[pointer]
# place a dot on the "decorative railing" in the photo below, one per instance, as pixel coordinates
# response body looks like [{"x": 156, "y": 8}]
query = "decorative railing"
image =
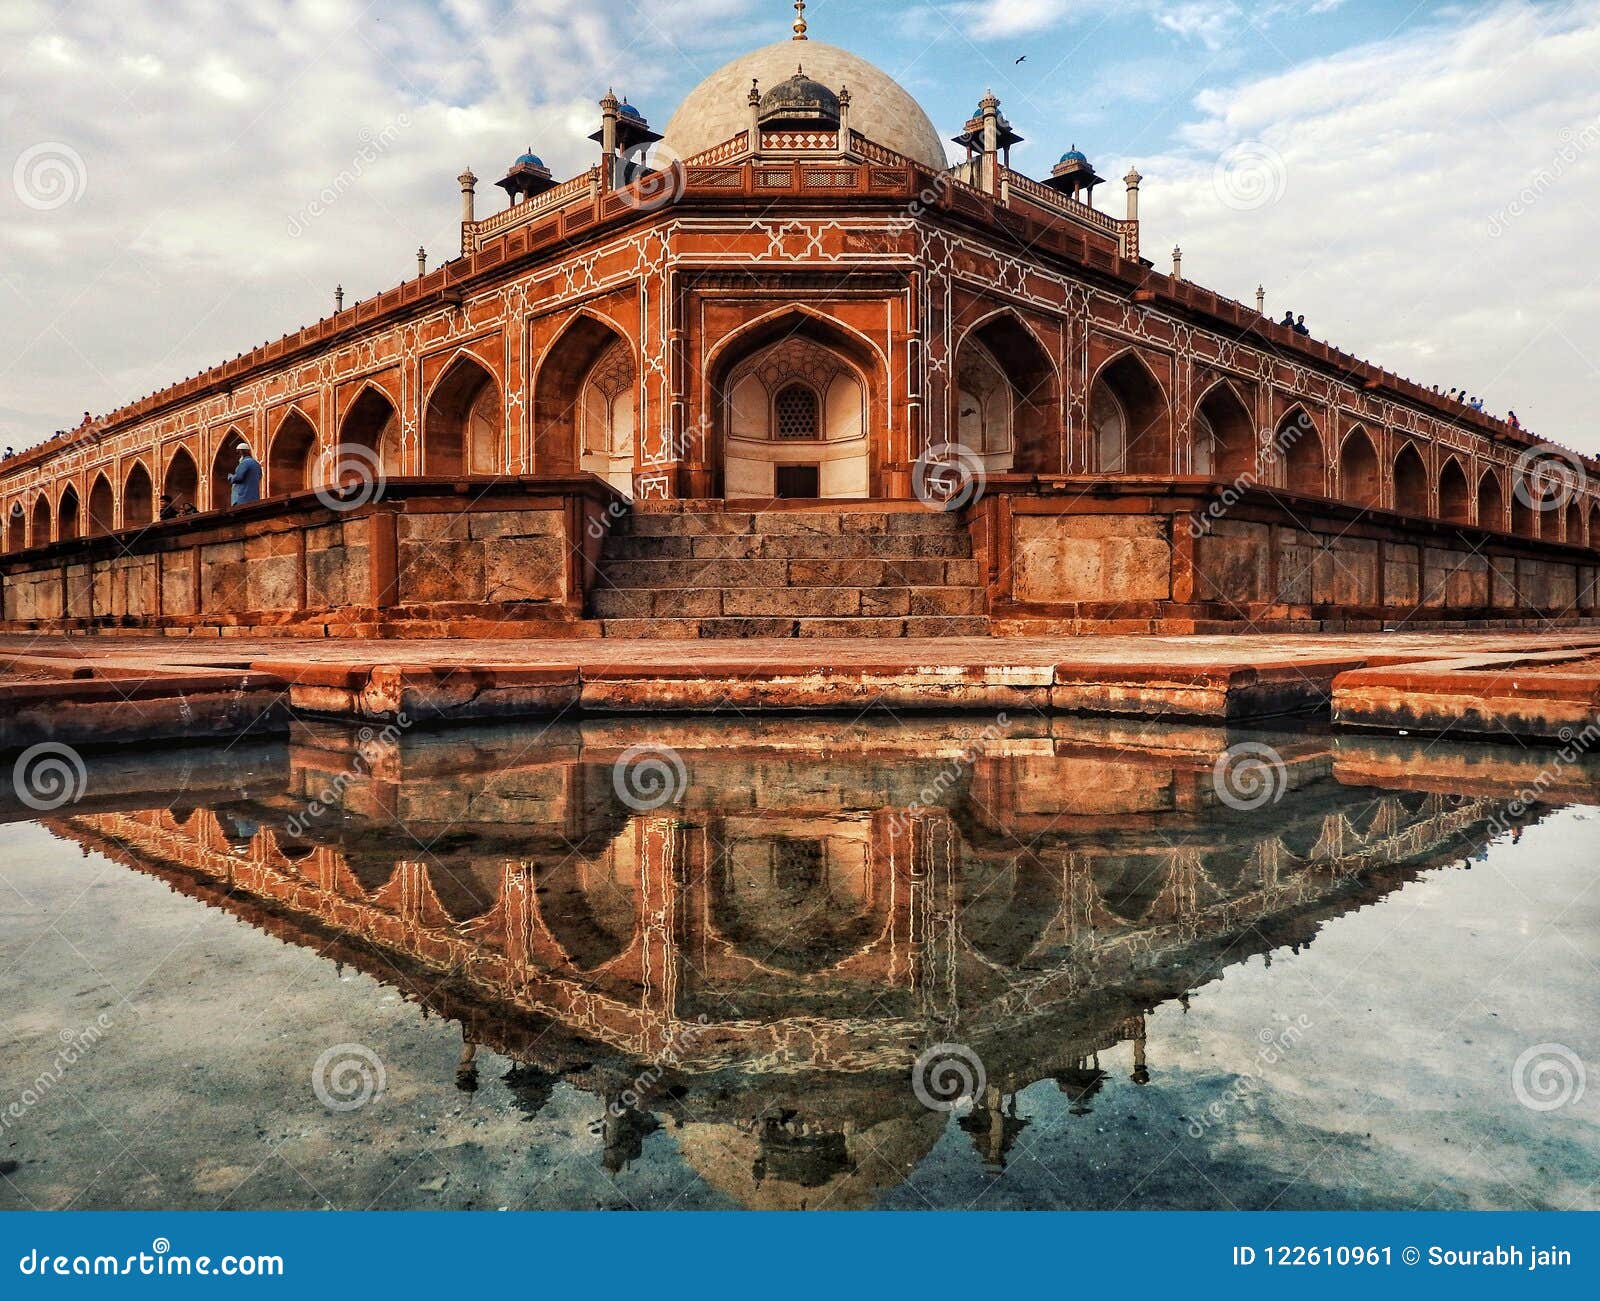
[
  {"x": 876, "y": 153},
  {"x": 733, "y": 147},
  {"x": 800, "y": 141},
  {"x": 1045, "y": 197},
  {"x": 556, "y": 197}
]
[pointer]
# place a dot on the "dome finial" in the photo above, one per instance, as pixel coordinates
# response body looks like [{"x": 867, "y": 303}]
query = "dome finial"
[{"x": 800, "y": 20}]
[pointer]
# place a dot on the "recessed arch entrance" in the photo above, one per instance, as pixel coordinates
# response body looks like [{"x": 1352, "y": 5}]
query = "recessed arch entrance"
[
  {"x": 102, "y": 512},
  {"x": 223, "y": 464},
  {"x": 1360, "y": 483},
  {"x": 1128, "y": 419},
  {"x": 292, "y": 456},
  {"x": 1224, "y": 436},
  {"x": 461, "y": 425},
  {"x": 1455, "y": 496},
  {"x": 42, "y": 530},
  {"x": 1491, "y": 502},
  {"x": 67, "y": 514},
  {"x": 16, "y": 526},
  {"x": 1007, "y": 398},
  {"x": 372, "y": 424},
  {"x": 138, "y": 497},
  {"x": 1410, "y": 482},
  {"x": 1298, "y": 445},
  {"x": 181, "y": 482},
  {"x": 793, "y": 399},
  {"x": 584, "y": 400}
]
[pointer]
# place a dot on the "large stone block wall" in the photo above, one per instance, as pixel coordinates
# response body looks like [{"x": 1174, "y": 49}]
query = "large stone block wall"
[
  {"x": 1162, "y": 560},
  {"x": 430, "y": 558}
]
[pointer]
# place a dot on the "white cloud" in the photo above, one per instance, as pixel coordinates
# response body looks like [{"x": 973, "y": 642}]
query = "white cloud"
[{"x": 1438, "y": 195}]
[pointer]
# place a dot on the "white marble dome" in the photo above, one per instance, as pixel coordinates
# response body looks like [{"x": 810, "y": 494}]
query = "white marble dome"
[{"x": 880, "y": 108}]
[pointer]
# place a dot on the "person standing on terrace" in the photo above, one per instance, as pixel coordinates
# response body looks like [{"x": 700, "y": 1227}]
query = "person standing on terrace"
[{"x": 246, "y": 479}]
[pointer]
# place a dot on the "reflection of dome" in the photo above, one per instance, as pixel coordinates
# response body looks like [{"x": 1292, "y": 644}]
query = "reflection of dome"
[{"x": 880, "y": 108}]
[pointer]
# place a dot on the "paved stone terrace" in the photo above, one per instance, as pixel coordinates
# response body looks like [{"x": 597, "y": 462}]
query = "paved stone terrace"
[{"x": 127, "y": 688}]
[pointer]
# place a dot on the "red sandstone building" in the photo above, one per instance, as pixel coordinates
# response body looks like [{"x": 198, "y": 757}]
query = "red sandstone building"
[{"x": 797, "y": 322}]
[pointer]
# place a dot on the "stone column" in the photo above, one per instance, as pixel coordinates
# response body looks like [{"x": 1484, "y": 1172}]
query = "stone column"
[
  {"x": 469, "y": 192},
  {"x": 989, "y": 180},
  {"x": 608, "y": 141}
]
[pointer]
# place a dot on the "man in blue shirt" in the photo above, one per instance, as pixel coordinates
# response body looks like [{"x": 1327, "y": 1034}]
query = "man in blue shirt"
[{"x": 246, "y": 478}]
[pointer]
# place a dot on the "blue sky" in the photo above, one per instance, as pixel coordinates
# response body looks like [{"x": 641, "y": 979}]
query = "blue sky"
[{"x": 1423, "y": 182}]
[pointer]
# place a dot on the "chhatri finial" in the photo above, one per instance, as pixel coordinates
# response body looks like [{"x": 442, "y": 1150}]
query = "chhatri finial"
[{"x": 800, "y": 20}]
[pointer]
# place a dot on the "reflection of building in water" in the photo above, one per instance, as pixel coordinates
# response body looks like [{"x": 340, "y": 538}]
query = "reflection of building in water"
[{"x": 757, "y": 967}]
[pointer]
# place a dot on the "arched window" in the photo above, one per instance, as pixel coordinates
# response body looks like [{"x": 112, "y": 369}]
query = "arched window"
[{"x": 794, "y": 413}]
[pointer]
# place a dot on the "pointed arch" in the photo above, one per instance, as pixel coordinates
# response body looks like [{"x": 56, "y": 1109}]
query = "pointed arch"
[
  {"x": 1455, "y": 495},
  {"x": 1592, "y": 530},
  {"x": 1410, "y": 481},
  {"x": 748, "y": 453},
  {"x": 67, "y": 524},
  {"x": 223, "y": 462},
  {"x": 371, "y": 422},
  {"x": 559, "y": 390},
  {"x": 1129, "y": 418},
  {"x": 1024, "y": 436},
  {"x": 1524, "y": 516},
  {"x": 180, "y": 483},
  {"x": 291, "y": 454},
  {"x": 1224, "y": 434},
  {"x": 1297, "y": 442},
  {"x": 43, "y": 521},
  {"x": 462, "y": 421},
  {"x": 1360, "y": 482},
  {"x": 1572, "y": 532},
  {"x": 1491, "y": 502},
  {"x": 101, "y": 516},
  {"x": 138, "y": 497},
  {"x": 16, "y": 526}
]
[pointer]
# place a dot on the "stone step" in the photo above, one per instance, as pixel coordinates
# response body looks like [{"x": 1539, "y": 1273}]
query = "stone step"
[
  {"x": 693, "y": 574},
  {"x": 788, "y": 523},
  {"x": 866, "y": 603},
  {"x": 800, "y": 546},
  {"x": 689, "y": 629}
]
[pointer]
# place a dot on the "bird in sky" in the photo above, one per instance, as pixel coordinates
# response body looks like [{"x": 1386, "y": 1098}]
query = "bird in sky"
[{"x": 1020, "y": 59}]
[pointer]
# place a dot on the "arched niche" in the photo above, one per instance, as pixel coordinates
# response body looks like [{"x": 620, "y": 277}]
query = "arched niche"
[
  {"x": 1491, "y": 502},
  {"x": 1298, "y": 445},
  {"x": 67, "y": 525},
  {"x": 608, "y": 414},
  {"x": 16, "y": 526},
  {"x": 1360, "y": 482},
  {"x": 138, "y": 497},
  {"x": 1128, "y": 419},
  {"x": 461, "y": 426},
  {"x": 292, "y": 456},
  {"x": 43, "y": 521},
  {"x": 1455, "y": 494},
  {"x": 793, "y": 415},
  {"x": 1410, "y": 481},
  {"x": 1007, "y": 398},
  {"x": 560, "y": 389},
  {"x": 223, "y": 463},
  {"x": 181, "y": 481},
  {"x": 1224, "y": 436},
  {"x": 373, "y": 424},
  {"x": 101, "y": 516}
]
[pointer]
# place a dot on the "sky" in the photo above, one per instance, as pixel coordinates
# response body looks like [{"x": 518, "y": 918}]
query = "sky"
[{"x": 188, "y": 179}]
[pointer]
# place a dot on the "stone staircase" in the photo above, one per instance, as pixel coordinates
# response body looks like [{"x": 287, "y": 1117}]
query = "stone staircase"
[{"x": 697, "y": 569}]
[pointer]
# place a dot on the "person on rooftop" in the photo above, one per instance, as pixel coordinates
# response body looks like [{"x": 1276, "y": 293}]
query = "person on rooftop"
[
  {"x": 1511, "y": 419},
  {"x": 1288, "y": 319},
  {"x": 1300, "y": 324}
]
